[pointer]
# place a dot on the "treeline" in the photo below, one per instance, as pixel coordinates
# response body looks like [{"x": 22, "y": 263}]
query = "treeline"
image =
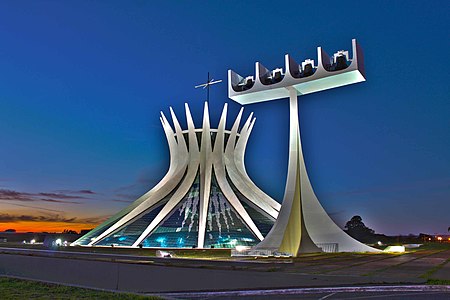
[{"x": 358, "y": 230}]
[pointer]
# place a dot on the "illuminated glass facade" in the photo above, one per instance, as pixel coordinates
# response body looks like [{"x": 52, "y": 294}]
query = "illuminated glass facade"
[
  {"x": 129, "y": 233},
  {"x": 205, "y": 200},
  {"x": 180, "y": 228},
  {"x": 224, "y": 229}
]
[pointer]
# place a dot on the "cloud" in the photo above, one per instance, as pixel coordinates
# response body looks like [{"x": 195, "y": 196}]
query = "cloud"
[
  {"x": 57, "y": 201},
  {"x": 123, "y": 201},
  {"x": 59, "y": 196},
  {"x": 10, "y": 194},
  {"x": 66, "y": 197},
  {"x": 86, "y": 192},
  {"x": 8, "y": 218},
  {"x": 36, "y": 207}
]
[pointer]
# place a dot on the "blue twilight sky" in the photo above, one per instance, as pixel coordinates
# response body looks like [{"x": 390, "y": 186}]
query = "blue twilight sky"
[{"x": 82, "y": 84}]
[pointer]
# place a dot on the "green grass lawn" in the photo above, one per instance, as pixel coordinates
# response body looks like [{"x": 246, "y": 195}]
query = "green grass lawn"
[
  {"x": 11, "y": 288},
  {"x": 438, "y": 282},
  {"x": 435, "y": 246}
]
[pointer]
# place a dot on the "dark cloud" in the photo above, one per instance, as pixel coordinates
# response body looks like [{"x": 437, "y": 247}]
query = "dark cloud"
[
  {"x": 16, "y": 218},
  {"x": 35, "y": 207},
  {"x": 8, "y": 218},
  {"x": 57, "y": 201},
  {"x": 86, "y": 192},
  {"x": 10, "y": 194},
  {"x": 67, "y": 197},
  {"x": 95, "y": 220},
  {"x": 122, "y": 201},
  {"x": 59, "y": 196}
]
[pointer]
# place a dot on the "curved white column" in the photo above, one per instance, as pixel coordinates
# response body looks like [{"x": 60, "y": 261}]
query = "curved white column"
[
  {"x": 219, "y": 171},
  {"x": 187, "y": 161},
  {"x": 303, "y": 223},
  {"x": 180, "y": 193},
  {"x": 194, "y": 162},
  {"x": 241, "y": 181},
  {"x": 205, "y": 176},
  {"x": 178, "y": 164},
  {"x": 238, "y": 174},
  {"x": 286, "y": 234}
]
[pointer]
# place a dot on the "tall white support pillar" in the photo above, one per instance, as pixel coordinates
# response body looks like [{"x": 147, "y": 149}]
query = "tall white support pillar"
[
  {"x": 289, "y": 233},
  {"x": 303, "y": 225}
]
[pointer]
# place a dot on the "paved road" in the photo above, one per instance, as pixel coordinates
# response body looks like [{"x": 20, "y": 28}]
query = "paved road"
[
  {"x": 368, "y": 292},
  {"x": 157, "y": 275},
  {"x": 408, "y": 266}
]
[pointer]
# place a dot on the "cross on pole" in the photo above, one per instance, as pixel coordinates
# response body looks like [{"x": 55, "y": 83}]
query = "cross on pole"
[{"x": 206, "y": 86}]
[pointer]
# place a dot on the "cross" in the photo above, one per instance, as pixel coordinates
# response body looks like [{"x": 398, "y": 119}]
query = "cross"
[{"x": 206, "y": 86}]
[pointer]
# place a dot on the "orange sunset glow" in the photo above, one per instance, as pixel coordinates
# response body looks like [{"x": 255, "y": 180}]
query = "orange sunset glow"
[{"x": 27, "y": 226}]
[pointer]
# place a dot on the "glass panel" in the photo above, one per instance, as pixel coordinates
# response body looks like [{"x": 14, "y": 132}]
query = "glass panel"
[
  {"x": 128, "y": 234},
  {"x": 213, "y": 138},
  {"x": 262, "y": 220},
  {"x": 103, "y": 227},
  {"x": 180, "y": 228},
  {"x": 224, "y": 228},
  {"x": 88, "y": 237}
]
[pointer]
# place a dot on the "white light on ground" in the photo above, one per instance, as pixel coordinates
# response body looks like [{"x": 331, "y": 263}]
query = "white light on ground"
[
  {"x": 395, "y": 249},
  {"x": 411, "y": 246},
  {"x": 161, "y": 253},
  {"x": 242, "y": 248},
  {"x": 58, "y": 242},
  {"x": 32, "y": 241}
]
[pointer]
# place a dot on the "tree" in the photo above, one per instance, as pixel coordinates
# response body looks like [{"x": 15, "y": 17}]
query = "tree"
[
  {"x": 10, "y": 230},
  {"x": 357, "y": 229}
]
